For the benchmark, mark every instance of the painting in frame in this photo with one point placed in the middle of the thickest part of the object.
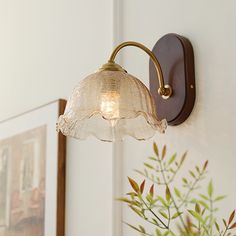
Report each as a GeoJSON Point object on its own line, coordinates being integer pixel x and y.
{"type": "Point", "coordinates": [32, 173]}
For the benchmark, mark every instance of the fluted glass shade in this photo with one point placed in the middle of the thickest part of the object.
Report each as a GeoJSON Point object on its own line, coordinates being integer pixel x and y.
{"type": "Point", "coordinates": [110, 105]}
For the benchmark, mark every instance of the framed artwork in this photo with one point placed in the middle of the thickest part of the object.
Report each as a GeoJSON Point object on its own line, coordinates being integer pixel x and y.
{"type": "Point", "coordinates": [32, 173]}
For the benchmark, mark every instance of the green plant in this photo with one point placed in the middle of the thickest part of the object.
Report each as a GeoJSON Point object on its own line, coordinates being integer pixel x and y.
{"type": "Point", "coordinates": [168, 207]}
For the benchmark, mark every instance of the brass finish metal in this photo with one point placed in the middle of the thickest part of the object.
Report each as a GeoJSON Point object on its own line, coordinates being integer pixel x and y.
{"type": "Point", "coordinates": [112, 66]}
{"type": "Point", "coordinates": [169, 93]}
{"type": "Point", "coordinates": [164, 90]}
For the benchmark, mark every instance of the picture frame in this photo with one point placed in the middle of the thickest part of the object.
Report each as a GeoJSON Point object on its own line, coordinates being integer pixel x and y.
{"type": "Point", "coordinates": [32, 173]}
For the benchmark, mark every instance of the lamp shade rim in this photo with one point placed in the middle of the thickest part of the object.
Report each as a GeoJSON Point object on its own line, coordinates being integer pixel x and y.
{"type": "Point", "coordinates": [73, 127]}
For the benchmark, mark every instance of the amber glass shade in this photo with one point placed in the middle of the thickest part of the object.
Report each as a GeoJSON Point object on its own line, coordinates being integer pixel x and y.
{"type": "Point", "coordinates": [110, 105]}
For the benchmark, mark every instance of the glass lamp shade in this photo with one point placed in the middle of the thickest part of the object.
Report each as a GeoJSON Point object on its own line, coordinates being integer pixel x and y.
{"type": "Point", "coordinates": [110, 105]}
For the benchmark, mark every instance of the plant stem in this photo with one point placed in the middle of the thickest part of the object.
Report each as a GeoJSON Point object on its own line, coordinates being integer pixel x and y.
{"type": "Point", "coordinates": [211, 215]}
{"type": "Point", "coordinates": [226, 229]}
{"type": "Point", "coordinates": [176, 207]}
{"type": "Point", "coordinates": [168, 217]}
{"type": "Point", "coordinates": [158, 218]}
{"type": "Point", "coordinates": [191, 188]}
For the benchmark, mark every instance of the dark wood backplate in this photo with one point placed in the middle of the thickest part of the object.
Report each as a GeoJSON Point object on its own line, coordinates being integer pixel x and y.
{"type": "Point", "coordinates": [175, 55]}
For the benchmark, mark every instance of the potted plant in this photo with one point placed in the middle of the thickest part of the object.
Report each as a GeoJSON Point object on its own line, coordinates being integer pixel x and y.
{"type": "Point", "coordinates": [177, 208]}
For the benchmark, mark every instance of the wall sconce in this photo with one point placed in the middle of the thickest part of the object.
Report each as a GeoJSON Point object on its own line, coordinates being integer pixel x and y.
{"type": "Point", "coordinates": [111, 103]}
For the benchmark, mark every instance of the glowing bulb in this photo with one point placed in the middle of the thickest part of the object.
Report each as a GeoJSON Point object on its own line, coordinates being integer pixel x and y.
{"type": "Point", "coordinates": [110, 106]}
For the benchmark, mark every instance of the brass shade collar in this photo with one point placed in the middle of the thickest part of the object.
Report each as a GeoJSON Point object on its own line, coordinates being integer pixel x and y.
{"type": "Point", "coordinates": [111, 66]}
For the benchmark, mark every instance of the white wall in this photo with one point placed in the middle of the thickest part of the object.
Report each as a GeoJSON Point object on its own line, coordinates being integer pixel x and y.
{"type": "Point", "coordinates": [46, 47]}
{"type": "Point", "coordinates": [210, 132]}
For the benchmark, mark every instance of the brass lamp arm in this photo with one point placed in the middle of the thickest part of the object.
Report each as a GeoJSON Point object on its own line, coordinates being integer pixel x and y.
{"type": "Point", "coordinates": [164, 90]}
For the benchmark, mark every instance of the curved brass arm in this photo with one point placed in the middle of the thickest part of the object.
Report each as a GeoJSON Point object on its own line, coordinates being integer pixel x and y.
{"type": "Point", "coordinates": [164, 90]}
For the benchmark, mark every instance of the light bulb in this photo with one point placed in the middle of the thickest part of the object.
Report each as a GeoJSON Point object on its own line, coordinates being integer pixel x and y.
{"type": "Point", "coordinates": [109, 106]}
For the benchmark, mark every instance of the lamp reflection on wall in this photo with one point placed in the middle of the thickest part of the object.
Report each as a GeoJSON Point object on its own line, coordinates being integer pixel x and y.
{"type": "Point", "coordinates": [111, 103]}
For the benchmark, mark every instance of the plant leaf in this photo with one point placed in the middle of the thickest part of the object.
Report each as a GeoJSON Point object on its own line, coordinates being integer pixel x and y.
{"type": "Point", "coordinates": [204, 204]}
{"type": "Point", "coordinates": [158, 232]}
{"type": "Point", "coordinates": [155, 148]}
{"type": "Point", "coordinates": [123, 199]}
{"type": "Point", "coordinates": [233, 226]}
{"type": "Point", "coordinates": [176, 215]}
{"type": "Point", "coordinates": [183, 158]}
{"type": "Point", "coordinates": [192, 174]}
{"type": "Point", "coordinates": [217, 227]}
{"type": "Point", "coordinates": [142, 229]}
{"type": "Point", "coordinates": [132, 194]}
{"type": "Point", "coordinates": [224, 221]}
{"type": "Point", "coordinates": [219, 198]}
{"type": "Point", "coordinates": [231, 217]}
{"type": "Point", "coordinates": [164, 214]}
{"type": "Point", "coordinates": [163, 202]}
{"type": "Point", "coordinates": [151, 191]}
{"type": "Point", "coordinates": [168, 195]}
{"type": "Point", "coordinates": [210, 189]}
{"type": "Point", "coordinates": [185, 180]}
{"type": "Point", "coordinates": [133, 227]}
{"type": "Point", "coordinates": [204, 197]}
{"type": "Point", "coordinates": [197, 208]}
{"type": "Point", "coordinates": [163, 152]}
{"type": "Point", "coordinates": [205, 165]}
{"type": "Point", "coordinates": [142, 186]}
{"type": "Point", "coordinates": [152, 158]}
{"type": "Point", "coordinates": [172, 159]}
{"type": "Point", "coordinates": [136, 210]}
{"type": "Point", "coordinates": [177, 193]}
{"type": "Point", "coordinates": [196, 215]}
{"type": "Point", "coordinates": [148, 166]}
{"type": "Point", "coordinates": [197, 169]}
{"type": "Point", "coordinates": [134, 185]}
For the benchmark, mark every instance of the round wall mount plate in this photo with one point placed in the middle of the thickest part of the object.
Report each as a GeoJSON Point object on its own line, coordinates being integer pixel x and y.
{"type": "Point", "coordinates": [175, 55]}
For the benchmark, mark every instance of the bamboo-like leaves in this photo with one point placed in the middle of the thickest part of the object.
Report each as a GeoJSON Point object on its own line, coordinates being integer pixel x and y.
{"type": "Point", "coordinates": [168, 195]}
{"type": "Point", "coordinates": [177, 193]}
{"type": "Point", "coordinates": [231, 217]}
{"type": "Point", "coordinates": [155, 148]}
{"type": "Point", "coordinates": [205, 166]}
{"type": "Point", "coordinates": [210, 189]}
{"type": "Point", "coordinates": [163, 152]}
{"type": "Point", "coordinates": [134, 185]}
{"type": "Point", "coordinates": [158, 200]}
{"type": "Point", "coordinates": [142, 187]}
{"type": "Point", "coordinates": [172, 159]}
{"type": "Point", "coordinates": [233, 226]}
{"type": "Point", "coordinates": [217, 227]}
{"type": "Point", "coordinates": [151, 191]}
